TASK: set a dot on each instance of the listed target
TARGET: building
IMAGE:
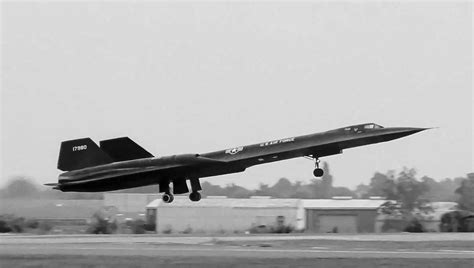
(128, 202)
(223, 215)
(127, 206)
(341, 215)
(228, 215)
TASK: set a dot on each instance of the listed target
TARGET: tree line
(404, 187)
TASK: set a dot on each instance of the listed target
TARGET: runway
(303, 250)
(150, 250)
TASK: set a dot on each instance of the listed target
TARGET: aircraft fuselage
(166, 169)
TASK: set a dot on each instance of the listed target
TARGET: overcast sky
(193, 78)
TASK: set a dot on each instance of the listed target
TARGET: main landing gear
(195, 187)
(195, 196)
(167, 197)
(180, 187)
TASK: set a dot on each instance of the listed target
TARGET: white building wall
(128, 202)
(300, 217)
(206, 219)
(248, 217)
(220, 219)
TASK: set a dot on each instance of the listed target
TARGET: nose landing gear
(317, 172)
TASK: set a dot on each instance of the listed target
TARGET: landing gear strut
(195, 187)
(180, 187)
(317, 172)
(165, 189)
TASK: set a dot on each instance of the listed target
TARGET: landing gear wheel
(167, 198)
(195, 196)
(318, 172)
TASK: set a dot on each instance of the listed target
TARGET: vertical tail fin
(123, 149)
(81, 153)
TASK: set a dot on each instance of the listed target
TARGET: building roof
(183, 201)
(328, 204)
(322, 204)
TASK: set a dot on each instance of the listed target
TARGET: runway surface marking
(399, 237)
(287, 250)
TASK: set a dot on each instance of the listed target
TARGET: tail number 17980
(79, 148)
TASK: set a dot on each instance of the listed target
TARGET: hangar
(341, 214)
(220, 214)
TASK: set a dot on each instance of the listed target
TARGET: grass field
(217, 261)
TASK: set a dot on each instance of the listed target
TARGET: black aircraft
(121, 163)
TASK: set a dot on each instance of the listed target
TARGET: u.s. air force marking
(277, 141)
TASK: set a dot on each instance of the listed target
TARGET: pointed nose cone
(413, 130)
(398, 132)
(405, 131)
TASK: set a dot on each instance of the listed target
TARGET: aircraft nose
(415, 129)
(411, 130)
(398, 132)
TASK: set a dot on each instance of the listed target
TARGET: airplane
(120, 163)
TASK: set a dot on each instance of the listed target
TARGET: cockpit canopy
(371, 126)
(362, 128)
